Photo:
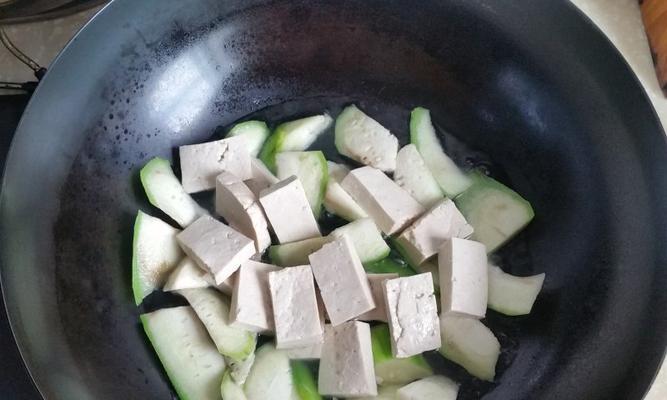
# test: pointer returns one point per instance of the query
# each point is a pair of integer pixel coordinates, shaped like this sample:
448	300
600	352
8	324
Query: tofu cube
343	284
412	309
464	279
188	275
261	179
227	286
423	238
346	366
239	207
251	299
202	163
320	306
215	247
296	316
379	313
312	352
391	207
287	209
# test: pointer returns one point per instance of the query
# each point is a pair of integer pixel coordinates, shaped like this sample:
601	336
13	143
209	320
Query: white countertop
619	19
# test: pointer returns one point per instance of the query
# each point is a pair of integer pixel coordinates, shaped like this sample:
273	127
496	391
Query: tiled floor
619	19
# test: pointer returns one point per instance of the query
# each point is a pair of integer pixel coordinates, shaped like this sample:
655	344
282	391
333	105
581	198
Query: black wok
535	92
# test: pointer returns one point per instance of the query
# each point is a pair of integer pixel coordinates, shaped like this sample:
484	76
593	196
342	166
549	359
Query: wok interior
528	109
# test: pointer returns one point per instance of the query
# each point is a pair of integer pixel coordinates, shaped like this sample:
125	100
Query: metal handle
38	70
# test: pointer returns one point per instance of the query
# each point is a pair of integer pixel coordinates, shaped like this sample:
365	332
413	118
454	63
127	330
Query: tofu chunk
413	315
463	278
422	240
202	163
239	207
391	207
379	313
215	247
188	275
312	352
251	300
432	267
343	284
287	208
261	179
346	366
296	315
227	286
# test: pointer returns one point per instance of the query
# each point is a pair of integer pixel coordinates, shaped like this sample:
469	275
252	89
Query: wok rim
13	320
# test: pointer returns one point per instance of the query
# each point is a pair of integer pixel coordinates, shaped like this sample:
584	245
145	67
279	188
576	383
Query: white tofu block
423	238
379	313
262	178
296	315
202	163
320	306
346	366
391	207
188	275
430	266
432	387
412	309
312	352
251	299
287	209
343	284
227	178
215	247
464	279
257	257
239	207
227	286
